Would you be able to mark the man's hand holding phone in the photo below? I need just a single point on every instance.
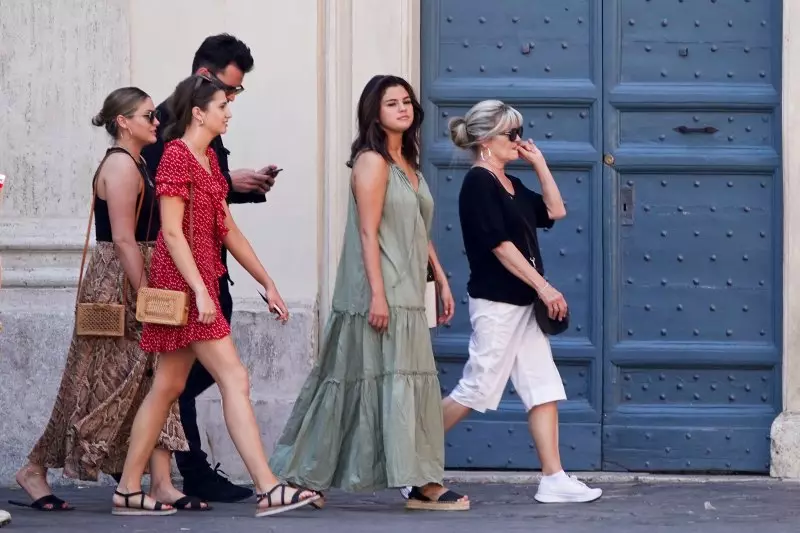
(248, 180)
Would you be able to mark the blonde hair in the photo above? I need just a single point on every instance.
(484, 120)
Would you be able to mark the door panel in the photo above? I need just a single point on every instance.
(544, 59)
(692, 357)
(670, 255)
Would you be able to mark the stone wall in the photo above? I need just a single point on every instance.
(58, 61)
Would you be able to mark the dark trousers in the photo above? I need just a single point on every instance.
(198, 381)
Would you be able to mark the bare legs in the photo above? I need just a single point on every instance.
(221, 360)
(542, 423)
(219, 357)
(161, 487)
(453, 413)
(168, 384)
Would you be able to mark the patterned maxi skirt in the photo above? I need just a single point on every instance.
(105, 381)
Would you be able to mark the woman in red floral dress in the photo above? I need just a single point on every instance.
(187, 258)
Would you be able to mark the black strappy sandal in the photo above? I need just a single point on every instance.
(191, 503)
(317, 504)
(41, 504)
(158, 508)
(294, 502)
(449, 501)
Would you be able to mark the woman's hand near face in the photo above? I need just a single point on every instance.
(530, 152)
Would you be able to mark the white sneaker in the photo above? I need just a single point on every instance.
(405, 491)
(5, 518)
(561, 488)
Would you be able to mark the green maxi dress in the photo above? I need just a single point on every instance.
(369, 415)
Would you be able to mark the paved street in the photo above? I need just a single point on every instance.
(738, 507)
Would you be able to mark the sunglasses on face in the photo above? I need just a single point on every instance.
(151, 116)
(514, 134)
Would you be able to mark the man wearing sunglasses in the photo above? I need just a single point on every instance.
(224, 60)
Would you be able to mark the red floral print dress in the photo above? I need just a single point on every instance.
(178, 170)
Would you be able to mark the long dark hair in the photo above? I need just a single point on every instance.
(194, 91)
(371, 135)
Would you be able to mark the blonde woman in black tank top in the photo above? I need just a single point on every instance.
(105, 379)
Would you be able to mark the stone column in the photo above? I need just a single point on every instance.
(786, 428)
(362, 38)
(59, 61)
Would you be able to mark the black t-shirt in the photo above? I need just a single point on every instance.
(490, 216)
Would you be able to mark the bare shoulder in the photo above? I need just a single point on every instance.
(119, 163)
(370, 167)
(120, 167)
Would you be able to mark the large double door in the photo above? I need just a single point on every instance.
(661, 122)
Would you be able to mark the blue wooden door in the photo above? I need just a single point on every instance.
(546, 61)
(661, 123)
(693, 234)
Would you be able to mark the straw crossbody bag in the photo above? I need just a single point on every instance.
(96, 319)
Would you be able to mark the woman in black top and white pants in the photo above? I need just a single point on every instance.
(498, 220)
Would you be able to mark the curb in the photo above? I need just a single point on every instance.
(529, 478)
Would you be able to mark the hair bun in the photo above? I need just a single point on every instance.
(458, 132)
(99, 120)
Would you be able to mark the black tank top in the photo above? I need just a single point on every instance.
(102, 222)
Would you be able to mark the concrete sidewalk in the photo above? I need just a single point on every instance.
(725, 507)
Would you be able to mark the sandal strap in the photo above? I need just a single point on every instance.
(282, 486)
(130, 495)
(188, 502)
(449, 497)
(446, 497)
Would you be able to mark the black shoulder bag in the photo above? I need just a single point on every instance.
(548, 325)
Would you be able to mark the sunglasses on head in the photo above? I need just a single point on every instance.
(514, 133)
(151, 116)
(229, 90)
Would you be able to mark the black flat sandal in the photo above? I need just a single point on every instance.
(41, 504)
(317, 504)
(276, 508)
(191, 503)
(127, 510)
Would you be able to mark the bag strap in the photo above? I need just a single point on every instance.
(149, 222)
(112, 150)
(191, 194)
(528, 230)
(191, 210)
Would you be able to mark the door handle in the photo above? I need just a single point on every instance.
(706, 129)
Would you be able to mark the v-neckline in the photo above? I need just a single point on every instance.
(194, 156)
(408, 180)
(512, 195)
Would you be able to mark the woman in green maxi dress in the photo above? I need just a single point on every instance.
(369, 415)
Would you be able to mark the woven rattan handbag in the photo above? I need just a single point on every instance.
(163, 306)
(96, 319)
